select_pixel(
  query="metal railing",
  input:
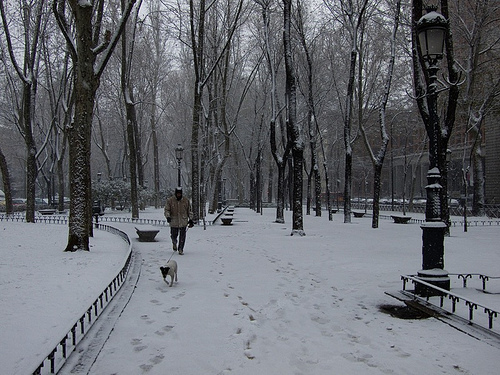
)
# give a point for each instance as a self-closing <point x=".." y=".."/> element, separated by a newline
<point x="483" y="278"/>
<point x="454" y="223"/>
<point x="56" y="358"/>
<point x="442" y="295"/>
<point x="491" y="211"/>
<point x="65" y="345"/>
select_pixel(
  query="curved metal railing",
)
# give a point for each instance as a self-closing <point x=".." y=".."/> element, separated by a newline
<point x="56" y="358"/>
<point x="65" y="345"/>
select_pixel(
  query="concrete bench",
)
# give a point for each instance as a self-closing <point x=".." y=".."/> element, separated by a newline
<point x="47" y="211"/>
<point x="358" y="214"/>
<point x="146" y="234"/>
<point x="401" y="219"/>
<point x="226" y="220"/>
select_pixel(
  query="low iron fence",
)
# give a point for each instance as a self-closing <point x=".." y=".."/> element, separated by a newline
<point x="466" y="309"/>
<point x="56" y="358"/>
<point x="51" y="362"/>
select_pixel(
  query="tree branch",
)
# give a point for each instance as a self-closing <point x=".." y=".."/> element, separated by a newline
<point x="18" y="69"/>
<point x="114" y="39"/>
<point x="63" y="25"/>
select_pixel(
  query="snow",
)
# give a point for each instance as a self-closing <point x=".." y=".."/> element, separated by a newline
<point x="250" y="298"/>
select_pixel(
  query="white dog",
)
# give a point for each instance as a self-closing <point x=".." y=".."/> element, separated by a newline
<point x="170" y="269"/>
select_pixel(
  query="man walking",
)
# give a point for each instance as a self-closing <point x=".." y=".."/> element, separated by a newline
<point x="178" y="213"/>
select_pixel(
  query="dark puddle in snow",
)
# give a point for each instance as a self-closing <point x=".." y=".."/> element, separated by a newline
<point x="403" y="312"/>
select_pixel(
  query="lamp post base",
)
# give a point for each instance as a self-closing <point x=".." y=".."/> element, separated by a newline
<point x="437" y="277"/>
<point x="433" y="245"/>
<point x="432" y="271"/>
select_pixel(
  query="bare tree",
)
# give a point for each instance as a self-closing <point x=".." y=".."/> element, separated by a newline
<point x="293" y="128"/>
<point x="377" y="158"/>
<point x="158" y="56"/>
<point x="35" y="20"/>
<point x="314" y="173"/>
<point x="133" y="136"/>
<point x="280" y="160"/>
<point x="85" y="44"/>
<point x="353" y="15"/>
<point x="202" y="76"/>
<point x="482" y="86"/>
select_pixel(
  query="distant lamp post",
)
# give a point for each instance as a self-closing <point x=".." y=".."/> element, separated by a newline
<point x="178" y="155"/>
<point x="431" y="29"/>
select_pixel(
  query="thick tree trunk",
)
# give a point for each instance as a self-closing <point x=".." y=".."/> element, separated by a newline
<point x="80" y="214"/>
<point x="198" y="58"/>
<point x="280" y="198"/>
<point x="133" y="163"/>
<point x="79" y="135"/>
<point x="195" y="172"/>
<point x="293" y="130"/>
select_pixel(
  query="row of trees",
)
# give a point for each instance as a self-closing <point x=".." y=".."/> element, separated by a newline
<point x="298" y="87"/>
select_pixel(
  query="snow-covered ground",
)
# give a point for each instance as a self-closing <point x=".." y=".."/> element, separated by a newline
<point x="250" y="299"/>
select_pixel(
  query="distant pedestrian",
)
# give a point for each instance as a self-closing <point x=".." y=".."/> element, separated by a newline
<point x="178" y="213"/>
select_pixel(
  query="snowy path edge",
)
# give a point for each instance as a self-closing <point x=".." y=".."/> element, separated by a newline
<point x="86" y="352"/>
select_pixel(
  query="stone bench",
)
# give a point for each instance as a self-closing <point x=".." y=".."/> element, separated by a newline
<point x="226" y="220"/>
<point x="401" y="219"/>
<point x="146" y="234"/>
<point x="47" y="211"/>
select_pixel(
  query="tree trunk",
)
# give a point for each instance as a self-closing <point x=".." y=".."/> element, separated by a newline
<point x="478" y="176"/>
<point x="347" y="137"/>
<point x="86" y="83"/>
<point x="9" y="209"/>
<point x="198" y="51"/>
<point x="311" y="117"/>
<point x="31" y="165"/>
<point x="377" y="172"/>
<point x="79" y="135"/>
<point x="293" y="129"/>
<point x="132" y="145"/>
<point x="280" y="197"/>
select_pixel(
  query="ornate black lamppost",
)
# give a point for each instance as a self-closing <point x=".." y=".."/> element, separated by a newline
<point x="431" y="29"/>
<point x="178" y="155"/>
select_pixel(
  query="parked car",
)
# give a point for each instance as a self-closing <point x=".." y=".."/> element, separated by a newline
<point x="420" y="201"/>
<point x="19" y="204"/>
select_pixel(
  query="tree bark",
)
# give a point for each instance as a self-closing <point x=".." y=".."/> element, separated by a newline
<point x="198" y="60"/>
<point x="293" y="129"/>
<point x="84" y="47"/>
<point x="4" y="168"/>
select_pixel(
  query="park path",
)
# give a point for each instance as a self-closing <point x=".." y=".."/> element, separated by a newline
<point x="253" y="299"/>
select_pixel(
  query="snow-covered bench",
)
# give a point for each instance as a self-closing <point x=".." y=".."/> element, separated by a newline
<point x="146" y="234"/>
<point x="226" y="220"/>
<point x="401" y="219"/>
<point x="47" y="211"/>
